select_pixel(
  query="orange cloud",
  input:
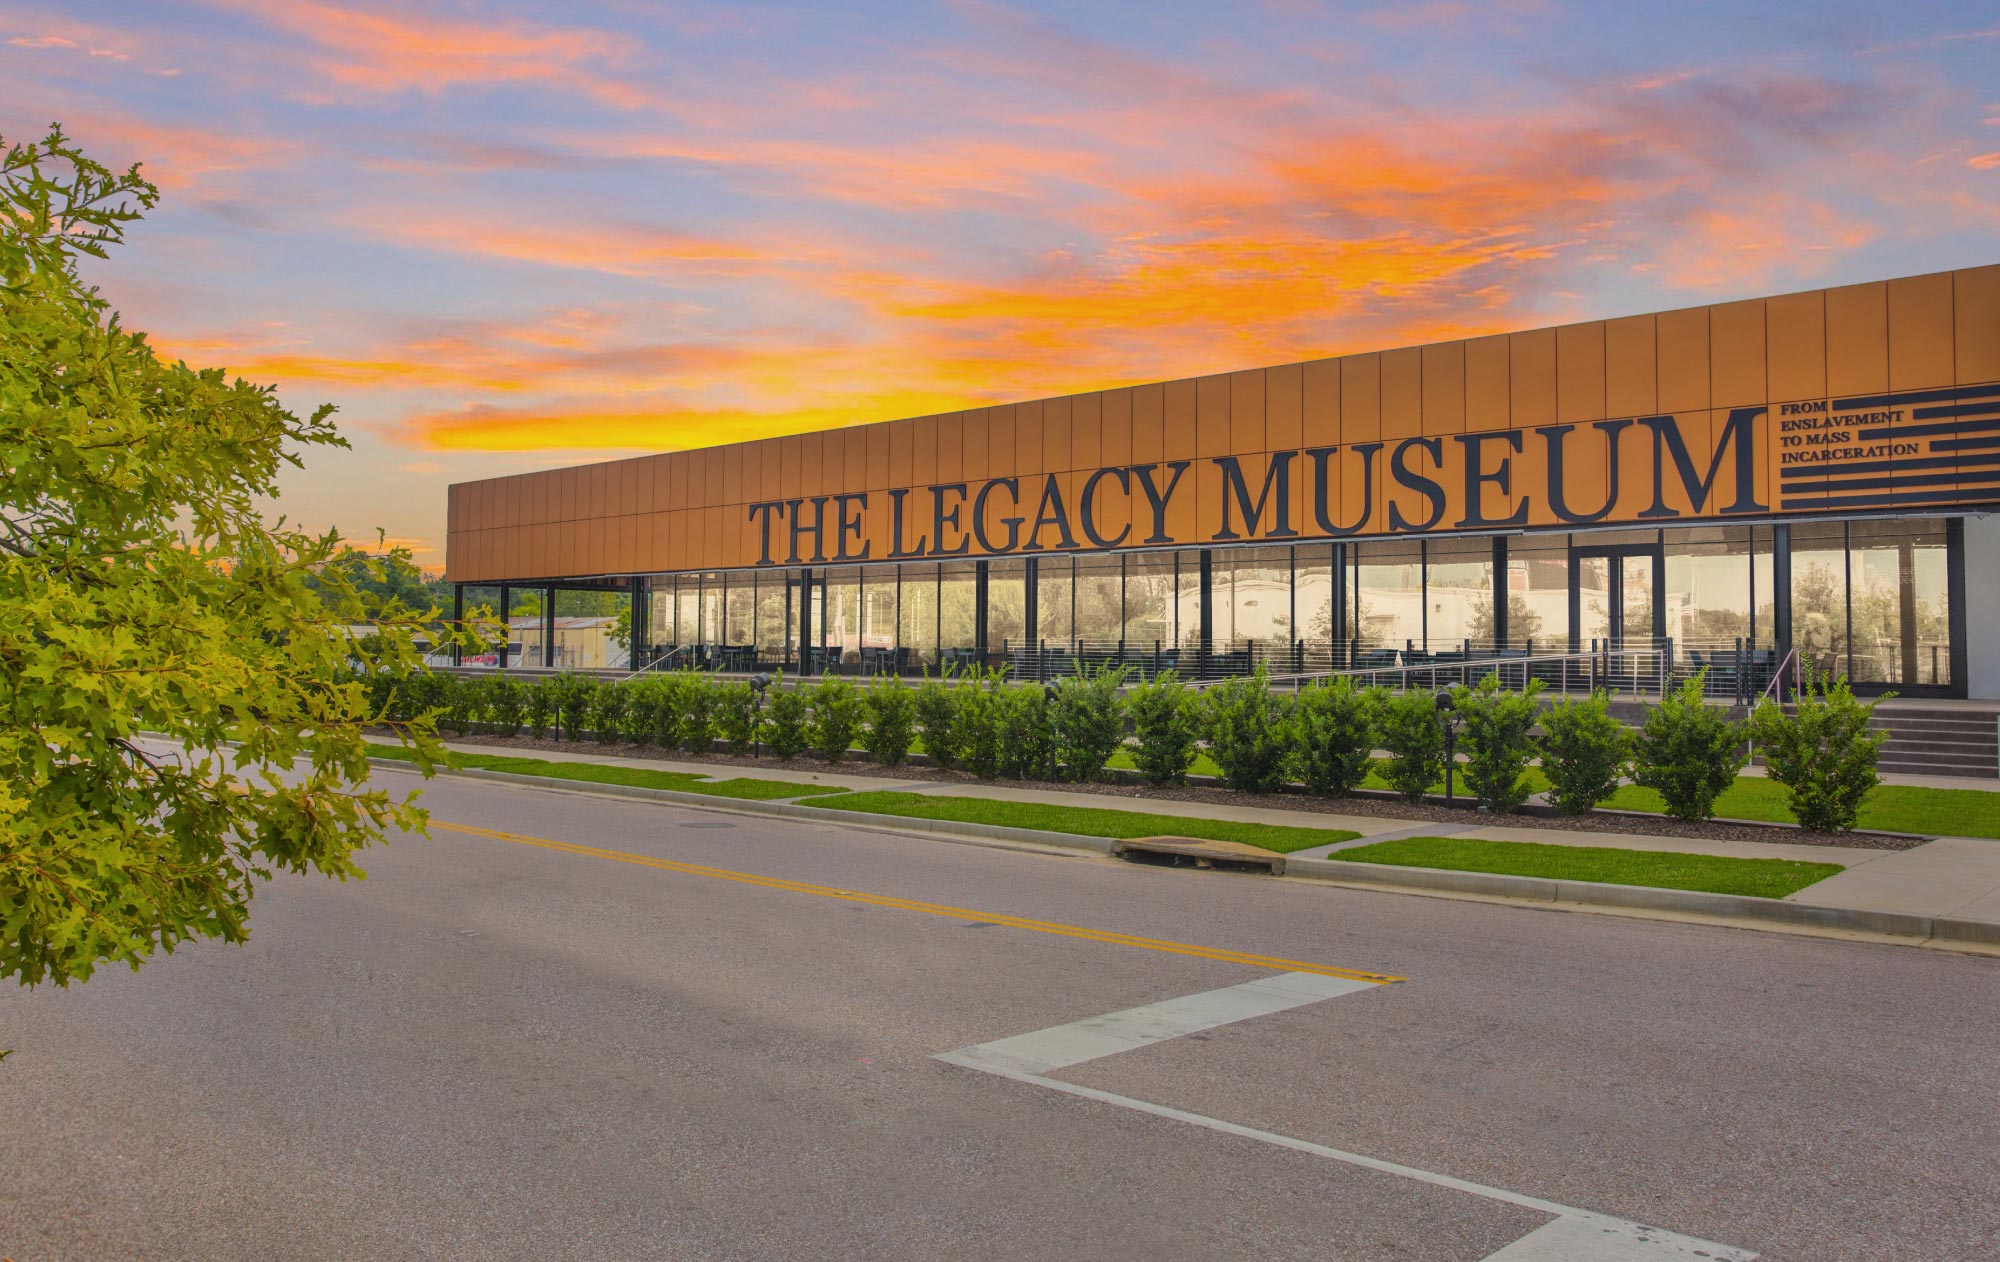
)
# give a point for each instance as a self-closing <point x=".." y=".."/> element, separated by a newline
<point x="393" y="51"/>
<point x="617" y="249"/>
<point x="174" y="157"/>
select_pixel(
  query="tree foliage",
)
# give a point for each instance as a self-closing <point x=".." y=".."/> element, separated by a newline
<point x="142" y="590"/>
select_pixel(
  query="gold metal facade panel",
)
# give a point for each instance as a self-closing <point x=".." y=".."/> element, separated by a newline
<point x="1488" y="404"/>
<point x="1360" y="398"/>
<point x="1976" y="324"/>
<point x="1403" y="392"/>
<point x="1444" y="388"/>
<point x="1580" y="372"/>
<point x="1736" y="354"/>
<point x="1116" y="427"/>
<point x="1284" y="406"/>
<point x="1648" y="399"/>
<point x="1857" y="339"/>
<point x="1920" y="334"/>
<point x="1682" y="338"/>
<point x="1631" y="366"/>
<point x="1795" y="326"/>
<point x="1531" y="359"/>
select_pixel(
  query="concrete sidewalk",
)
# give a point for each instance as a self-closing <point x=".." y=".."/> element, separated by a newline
<point x="1949" y="877"/>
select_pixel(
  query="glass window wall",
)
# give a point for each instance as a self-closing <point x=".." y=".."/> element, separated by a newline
<point x="1006" y="606"/>
<point x="1312" y="593"/>
<point x="1898" y="603"/>
<point x="1253" y="595"/>
<point x="1151" y="606"/>
<point x="1054" y="599"/>
<point x="1458" y="594"/>
<point x="958" y="632"/>
<point x="1386" y="611"/>
<point x="1819" y="595"/>
<point x="1100" y="601"/>
<point x="1710" y="601"/>
<point x="1537" y="586"/>
<point x="918" y="617"/>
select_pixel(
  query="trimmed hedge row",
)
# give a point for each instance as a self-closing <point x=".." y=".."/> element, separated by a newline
<point x="1323" y="737"/>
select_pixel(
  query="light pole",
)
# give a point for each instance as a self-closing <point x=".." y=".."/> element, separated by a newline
<point x="758" y="683"/>
<point x="1049" y="695"/>
<point x="1448" y="716"/>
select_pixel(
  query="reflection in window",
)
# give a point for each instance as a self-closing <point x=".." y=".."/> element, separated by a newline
<point x="1387" y="610"/>
<point x="1006" y="605"/>
<point x="1187" y="597"/>
<point x="840" y="620"/>
<point x="1312" y="592"/>
<point x="1100" y="600"/>
<point x="878" y="607"/>
<point x="1252" y="591"/>
<point x="1900" y="631"/>
<point x="1537" y="592"/>
<point x="1458" y="591"/>
<point x="918" y="637"/>
<point x="739" y="609"/>
<point x="1708" y="587"/>
<point x="1054" y="593"/>
<point x="957" y="608"/>
<point x="773" y="628"/>
<point x="1819" y="596"/>
<point x="1150" y="605"/>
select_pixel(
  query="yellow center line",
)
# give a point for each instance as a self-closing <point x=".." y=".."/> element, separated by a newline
<point x="928" y="909"/>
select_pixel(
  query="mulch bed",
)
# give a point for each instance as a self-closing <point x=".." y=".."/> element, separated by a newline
<point x="1373" y="805"/>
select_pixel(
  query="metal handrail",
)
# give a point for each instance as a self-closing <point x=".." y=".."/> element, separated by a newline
<point x="1791" y="659"/>
<point x="1524" y="663"/>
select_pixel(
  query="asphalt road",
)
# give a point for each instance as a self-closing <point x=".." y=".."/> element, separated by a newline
<point x="491" y="1049"/>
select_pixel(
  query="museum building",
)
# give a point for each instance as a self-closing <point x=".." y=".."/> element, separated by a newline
<point x="1721" y="486"/>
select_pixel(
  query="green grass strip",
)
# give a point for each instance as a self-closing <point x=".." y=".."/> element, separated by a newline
<point x="1085" y="821"/>
<point x="1710" y="874"/>
<point x="637" y="777"/>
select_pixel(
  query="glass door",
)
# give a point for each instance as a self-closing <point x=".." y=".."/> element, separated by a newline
<point x="1614" y="595"/>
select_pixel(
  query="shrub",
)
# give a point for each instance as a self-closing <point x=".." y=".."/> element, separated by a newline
<point x="1688" y="752"/>
<point x="610" y="708"/>
<point x="936" y="716"/>
<point x="1087" y="722"/>
<point x="1166" y="723"/>
<point x="696" y="698"/>
<point x="976" y="722"/>
<point x="736" y="715"/>
<point x="459" y="701"/>
<point x="836" y="721"/>
<point x="538" y="707"/>
<point x="1494" y="733"/>
<point x="1824" y="753"/>
<point x="787" y="728"/>
<point x="422" y="692"/>
<point x="890" y="706"/>
<point x="1331" y="737"/>
<point x="653" y="712"/>
<point x="1246" y="724"/>
<point x="1021" y="717"/>
<point x="1412" y="733"/>
<point x="570" y="703"/>
<point x="504" y="700"/>
<point x="1584" y="753"/>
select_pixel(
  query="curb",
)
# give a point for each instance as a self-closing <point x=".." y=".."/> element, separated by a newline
<point x="1736" y="909"/>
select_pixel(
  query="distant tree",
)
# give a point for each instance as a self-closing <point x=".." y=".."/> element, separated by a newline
<point x="142" y="591"/>
<point x="371" y="585"/>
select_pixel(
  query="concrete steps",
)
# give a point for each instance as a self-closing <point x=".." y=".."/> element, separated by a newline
<point x="1953" y="740"/>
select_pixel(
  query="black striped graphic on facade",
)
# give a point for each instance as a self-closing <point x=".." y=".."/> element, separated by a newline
<point x="1949" y="450"/>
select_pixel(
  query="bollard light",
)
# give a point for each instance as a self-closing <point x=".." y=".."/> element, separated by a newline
<point x="1448" y="715"/>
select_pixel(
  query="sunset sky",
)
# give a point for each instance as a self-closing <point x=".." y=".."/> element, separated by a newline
<point x="506" y="235"/>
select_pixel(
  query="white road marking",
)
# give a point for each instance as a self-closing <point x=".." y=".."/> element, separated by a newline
<point x="1114" y="1032"/>
<point x="1573" y="1235"/>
